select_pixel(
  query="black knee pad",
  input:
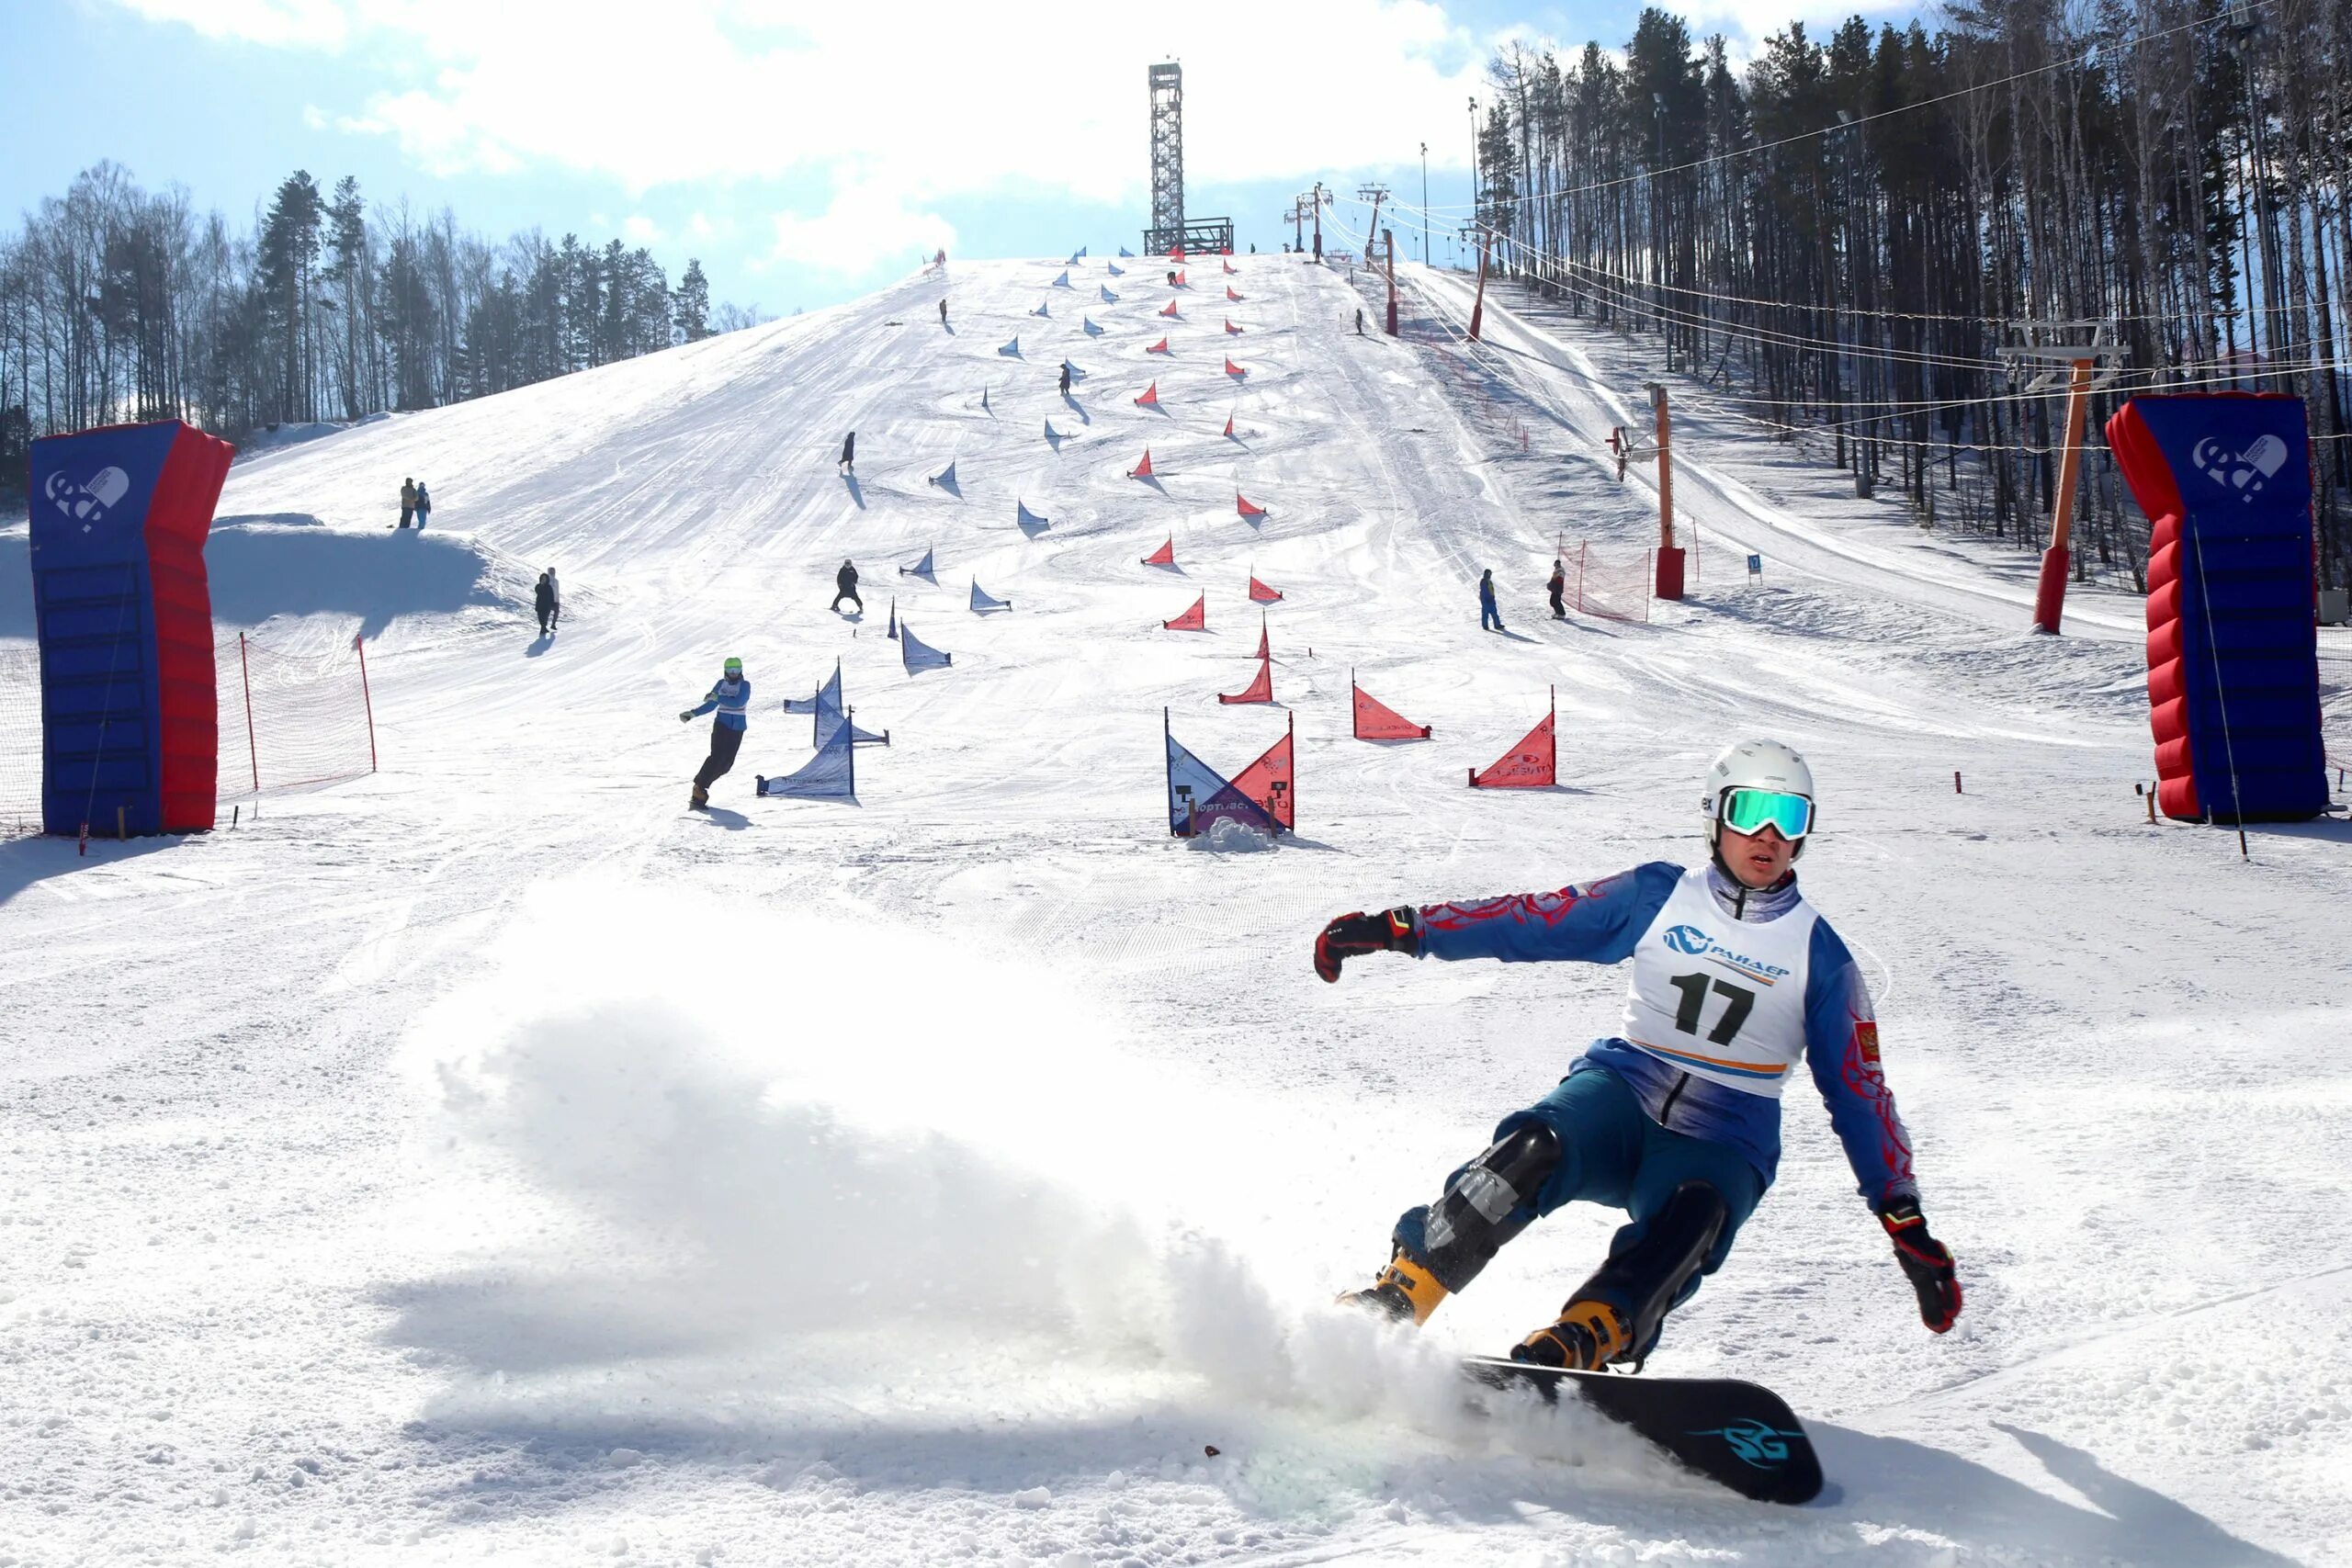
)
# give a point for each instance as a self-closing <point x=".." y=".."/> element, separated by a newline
<point x="1645" y="1280"/>
<point x="1465" y="1228"/>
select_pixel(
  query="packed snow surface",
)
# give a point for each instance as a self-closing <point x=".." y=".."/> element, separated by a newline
<point x="490" y="1161"/>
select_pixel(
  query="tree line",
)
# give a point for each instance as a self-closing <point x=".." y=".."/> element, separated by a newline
<point x="1842" y="235"/>
<point x="120" y="304"/>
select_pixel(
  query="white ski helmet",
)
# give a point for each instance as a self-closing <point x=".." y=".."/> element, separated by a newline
<point x="1754" y="765"/>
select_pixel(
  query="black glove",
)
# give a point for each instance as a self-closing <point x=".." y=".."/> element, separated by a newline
<point x="1926" y="1262"/>
<point x="1353" y="936"/>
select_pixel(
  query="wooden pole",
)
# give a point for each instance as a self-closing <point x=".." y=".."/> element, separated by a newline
<point x="2050" y="594"/>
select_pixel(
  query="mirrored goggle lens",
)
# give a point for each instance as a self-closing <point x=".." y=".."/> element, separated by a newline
<point x="1748" y="811"/>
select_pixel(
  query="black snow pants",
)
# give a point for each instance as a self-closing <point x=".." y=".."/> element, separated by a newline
<point x="724" y="744"/>
<point x="850" y="594"/>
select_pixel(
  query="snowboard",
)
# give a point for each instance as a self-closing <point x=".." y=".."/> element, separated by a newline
<point x="1738" y="1435"/>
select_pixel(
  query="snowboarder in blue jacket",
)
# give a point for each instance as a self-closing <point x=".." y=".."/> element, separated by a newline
<point x="730" y="700"/>
<point x="1675" y="1118"/>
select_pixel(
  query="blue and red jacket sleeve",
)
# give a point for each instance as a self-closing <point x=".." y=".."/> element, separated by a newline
<point x="1841" y="1044"/>
<point x="1599" y="922"/>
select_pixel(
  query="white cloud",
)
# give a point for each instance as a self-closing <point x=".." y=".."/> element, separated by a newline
<point x="639" y="230"/>
<point x="934" y="102"/>
<point x="865" y="225"/>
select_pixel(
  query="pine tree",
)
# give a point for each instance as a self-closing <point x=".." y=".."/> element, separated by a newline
<point x="690" y="306"/>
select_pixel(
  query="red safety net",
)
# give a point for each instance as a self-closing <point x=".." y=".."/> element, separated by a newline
<point x="1142" y="471"/>
<point x="1241" y="504"/>
<point x="290" y="718"/>
<point x="1164" y="556"/>
<point x="1261" y="595"/>
<point x="1269" y="779"/>
<point x="287" y="718"/>
<point x="1531" y="764"/>
<point x="1234" y="370"/>
<point x="1375" y="720"/>
<point x="1195" y="619"/>
<point x="1260" y="690"/>
<point x="1150" y="399"/>
<point x="1613" y="586"/>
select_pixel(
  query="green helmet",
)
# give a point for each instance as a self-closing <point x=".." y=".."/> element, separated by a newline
<point x="734" y="666"/>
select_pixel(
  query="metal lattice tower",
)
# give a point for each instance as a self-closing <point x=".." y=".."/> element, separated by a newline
<point x="1168" y="149"/>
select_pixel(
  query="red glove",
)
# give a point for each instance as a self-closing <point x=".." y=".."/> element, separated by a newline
<point x="1353" y="936"/>
<point x="1926" y="1262"/>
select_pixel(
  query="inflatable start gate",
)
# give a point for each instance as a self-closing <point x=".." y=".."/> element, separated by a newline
<point x="2232" y="659"/>
<point x="130" y="726"/>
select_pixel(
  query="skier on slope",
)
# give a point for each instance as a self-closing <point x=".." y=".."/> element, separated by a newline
<point x="1489" y="617"/>
<point x="731" y="701"/>
<point x="845" y="587"/>
<point x="1557" y="591"/>
<point x="1677" y="1120"/>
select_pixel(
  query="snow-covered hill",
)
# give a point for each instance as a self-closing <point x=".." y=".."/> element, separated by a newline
<point x="490" y="1161"/>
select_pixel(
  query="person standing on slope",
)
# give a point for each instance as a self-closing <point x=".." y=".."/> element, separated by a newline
<point x="943" y="310"/>
<point x="1557" y="589"/>
<point x="731" y="701"/>
<point x="1489" y="618"/>
<point x="849" y="453"/>
<point x="543" y="600"/>
<point x="423" y="505"/>
<point x="1676" y="1118"/>
<point x="845" y="587"/>
<point x="407" y="502"/>
<point x="1359" y="320"/>
<point x="1065" y="378"/>
<point x="555" y="601"/>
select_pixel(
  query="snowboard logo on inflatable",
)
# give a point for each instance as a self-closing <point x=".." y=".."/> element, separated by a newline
<point x="2245" y="472"/>
<point x="86" y="501"/>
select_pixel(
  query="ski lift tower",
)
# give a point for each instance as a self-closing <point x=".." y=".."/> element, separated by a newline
<point x="1169" y="230"/>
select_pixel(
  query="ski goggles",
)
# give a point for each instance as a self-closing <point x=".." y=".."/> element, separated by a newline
<point x="1753" y="810"/>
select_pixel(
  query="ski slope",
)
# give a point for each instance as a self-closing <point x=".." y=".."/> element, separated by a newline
<point x="490" y="1161"/>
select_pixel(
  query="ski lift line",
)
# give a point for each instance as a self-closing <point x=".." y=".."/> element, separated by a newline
<point x="2080" y="57"/>
<point x="1863" y="312"/>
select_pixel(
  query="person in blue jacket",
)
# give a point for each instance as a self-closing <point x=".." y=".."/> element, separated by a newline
<point x="1489" y="616"/>
<point x="1677" y="1118"/>
<point x="730" y="700"/>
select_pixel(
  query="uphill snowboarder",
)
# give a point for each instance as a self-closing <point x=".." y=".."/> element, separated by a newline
<point x="845" y="587"/>
<point x="1489" y="617"/>
<point x="731" y="701"/>
<point x="1557" y="591"/>
<point x="1675" y="1120"/>
<point x="543" y="600"/>
<point x="849" y="453"/>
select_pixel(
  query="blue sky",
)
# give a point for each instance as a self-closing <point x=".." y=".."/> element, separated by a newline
<point x="805" y="152"/>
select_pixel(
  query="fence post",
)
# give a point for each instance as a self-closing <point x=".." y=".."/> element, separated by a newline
<point x="253" y="748"/>
<point x="359" y="645"/>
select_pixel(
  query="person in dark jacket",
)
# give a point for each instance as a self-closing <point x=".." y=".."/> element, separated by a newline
<point x="1558" y="587"/>
<point x="543" y="600"/>
<point x="849" y="453"/>
<point x="845" y="585"/>
<point x="1065" y="378"/>
<point x="1359" y="320"/>
<point x="407" y="502"/>
<point x="943" y="310"/>
<point x="1489" y="618"/>
<point x="423" y="505"/>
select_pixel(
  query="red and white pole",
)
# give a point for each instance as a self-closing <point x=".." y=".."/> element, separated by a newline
<point x="359" y="645"/>
<point x="253" y="748"/>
